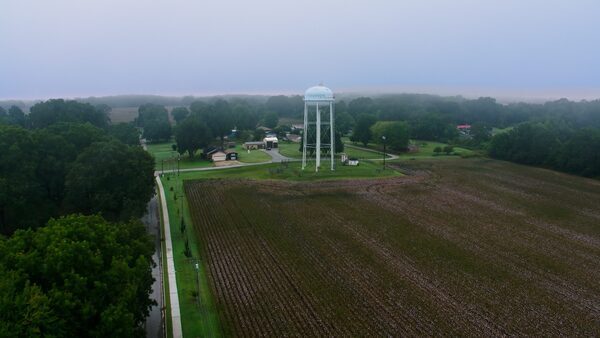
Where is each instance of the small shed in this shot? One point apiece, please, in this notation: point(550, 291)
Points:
point(208, 152)
point(219, 156)
point(231, 155)
point(353, 162)
point(253, 145)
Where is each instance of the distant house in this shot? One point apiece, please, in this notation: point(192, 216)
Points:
point(253, 145)
point(294, 138)
point(218, 156)
point(297, 126)
point(270, 142)
point(208, 151)
point(231, 155)
point(464, 129)
point(266, 130)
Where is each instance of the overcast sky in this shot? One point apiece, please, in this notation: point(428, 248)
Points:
point(69, 48)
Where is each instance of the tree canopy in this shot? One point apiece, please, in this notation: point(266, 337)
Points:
point(112, 179)
point(46, 113)
point(79, 276)
point(191, 135)
point(179, 113)
point(395, 132)
point(362, 131)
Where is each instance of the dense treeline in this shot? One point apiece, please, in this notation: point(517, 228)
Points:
point(550, 145)
point(65, 158)
point(73, 275)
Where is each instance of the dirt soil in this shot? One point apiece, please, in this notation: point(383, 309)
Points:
point(457, 247)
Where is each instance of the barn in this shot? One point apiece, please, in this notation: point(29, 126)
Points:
point(218, 156)
point(253, 145)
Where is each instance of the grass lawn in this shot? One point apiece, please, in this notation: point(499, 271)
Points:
point(254, 156)
point(164, 152)
point(426, 151)
point(290, 149)
point(198, 319)
point(292, 171)
point(165, 157)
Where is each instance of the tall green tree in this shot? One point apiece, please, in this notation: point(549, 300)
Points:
point(125, 132)
point(20, 190)
point(151, 112)
point(362, 131)
point(396, 134)
point(270, 120)
point(179, 114)
point(344, 122)
point(16, 116)
point(157, 130)
point(192, 134)
point(80, 276)
point(112, 179)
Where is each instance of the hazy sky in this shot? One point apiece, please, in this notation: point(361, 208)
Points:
point(68, 48)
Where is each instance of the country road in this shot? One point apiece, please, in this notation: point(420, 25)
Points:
point(154, 323)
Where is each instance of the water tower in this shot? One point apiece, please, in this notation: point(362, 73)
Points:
point(316, 101)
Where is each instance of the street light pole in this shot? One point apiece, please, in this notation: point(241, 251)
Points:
point(383, 138)
point(197, 283)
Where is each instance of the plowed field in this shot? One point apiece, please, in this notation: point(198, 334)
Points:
point(465, 247)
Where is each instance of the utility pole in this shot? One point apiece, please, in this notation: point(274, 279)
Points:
point(383, 138)
point(198, 283)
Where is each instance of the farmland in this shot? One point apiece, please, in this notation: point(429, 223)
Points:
point(455, 247)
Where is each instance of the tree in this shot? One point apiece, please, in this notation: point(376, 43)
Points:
point(179, 113)
point(395, 132)
point(151, 112)
point(282, 105)
point(431, 127)
point(125, 132)
point(270, 120)
point(80, 276)
point(217, 116)
point(157, 130)
point(343, 122)
point(79, 135)
point(448, 149)
point(437, 150)
point(46, 113)
point(16, 116)
point(362, 131)
point(192, 134)
point(54, 156)
point(361, 105)
point(244, 117)
point(20, 192)
point(112, 179)
point(481, 132)
point(258, 135)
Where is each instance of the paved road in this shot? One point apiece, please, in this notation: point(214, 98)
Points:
point(154, 324)
point(276, 157)
point(389, 156)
